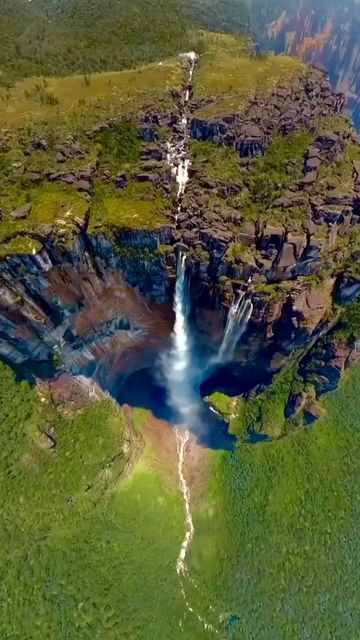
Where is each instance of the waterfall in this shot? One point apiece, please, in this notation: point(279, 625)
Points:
point(237, 320)
point(178, 362)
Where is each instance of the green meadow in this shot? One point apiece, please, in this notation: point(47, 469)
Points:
point(89, 541)
point(277, 541)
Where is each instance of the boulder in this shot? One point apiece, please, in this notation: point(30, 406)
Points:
point(41, 144)
point(147, 177)
point(22, 212)
point(346, 200)
point(286, 257)
point(84, 186)
point(312, 164)
point(36, 178)
point(153, 154)
point(327, 140)
point(312, 152)
point(121, 180)
point(309, 179)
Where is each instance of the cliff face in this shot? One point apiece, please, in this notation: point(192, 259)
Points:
point(271, 209)
point(319, 32)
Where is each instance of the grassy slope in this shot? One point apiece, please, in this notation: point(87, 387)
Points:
point(81, 556)
point(230, 74)
point(278, 537)
point(79, 96)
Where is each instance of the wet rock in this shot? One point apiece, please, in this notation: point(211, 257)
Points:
point(348, 290)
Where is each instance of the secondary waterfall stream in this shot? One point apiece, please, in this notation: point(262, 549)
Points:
point(237, 320)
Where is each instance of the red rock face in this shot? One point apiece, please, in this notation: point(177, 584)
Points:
point(320, 32)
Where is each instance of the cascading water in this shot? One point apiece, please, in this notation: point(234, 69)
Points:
point(237, 320)
point(182, 396)
point(177, 365)
point(177, 148)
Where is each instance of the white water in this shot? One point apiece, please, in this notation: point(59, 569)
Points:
point(237, 320)
point(182, 439)
point(177, 148)
point(177, 366)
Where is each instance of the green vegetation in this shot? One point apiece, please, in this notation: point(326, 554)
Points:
point(138, 206)
point(231, 74)
point(265, 411)
point(226, 15)
point(120, 147)
point(61, 37)
point(54, 203)
point(85, 552)
point(281, 166)
point(217, 161)
point(277, 542)
point(80, 104)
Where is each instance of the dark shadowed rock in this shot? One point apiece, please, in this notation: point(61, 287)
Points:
point(327, 140)
point(312, 164)
point(41, 144)
point(147, 177)
point(295, 404)
point(312, 412)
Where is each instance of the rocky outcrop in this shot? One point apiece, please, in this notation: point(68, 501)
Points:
point(290, 107)
point(325, 364)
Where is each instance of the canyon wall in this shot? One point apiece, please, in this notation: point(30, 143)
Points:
point(320, 32)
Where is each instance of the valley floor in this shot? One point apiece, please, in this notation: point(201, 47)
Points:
point(89, 543)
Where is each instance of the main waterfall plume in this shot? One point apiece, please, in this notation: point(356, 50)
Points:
point(178, 362)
